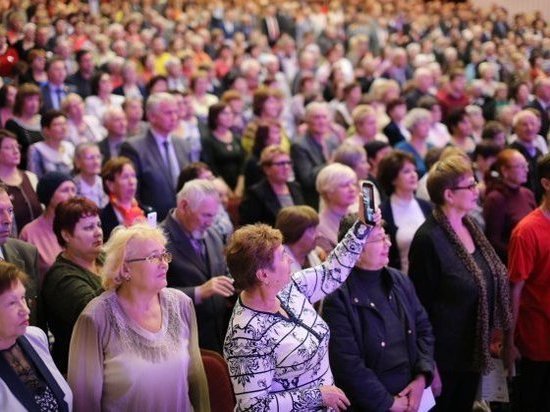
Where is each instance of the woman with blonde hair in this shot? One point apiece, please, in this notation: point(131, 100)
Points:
point(337, 187)
point(137, 328)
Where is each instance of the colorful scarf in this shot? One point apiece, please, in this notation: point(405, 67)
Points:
point(129, 215)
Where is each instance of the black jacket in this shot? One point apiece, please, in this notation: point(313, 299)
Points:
point(358, 333)
point(262, 205)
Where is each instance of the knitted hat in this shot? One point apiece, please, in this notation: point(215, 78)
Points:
point(48, 184)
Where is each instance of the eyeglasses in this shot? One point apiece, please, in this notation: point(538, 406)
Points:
point(93, 157)
point(384, 238)
point(524, 166)
point(156, 259)
point(471, 187)
point(282, 163)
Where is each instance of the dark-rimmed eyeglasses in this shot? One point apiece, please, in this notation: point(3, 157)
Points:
point(470, 187)
point(382, 238)
point(281, 163)
point(156, 259)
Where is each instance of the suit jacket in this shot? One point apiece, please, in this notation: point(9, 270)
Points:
point(544, 117)
point(25, 257)
point(14, 394)
point(105, 149)
point(187, 271)
point(308, 158)
point(262, 205)
point(155, 187)
point(47, 103)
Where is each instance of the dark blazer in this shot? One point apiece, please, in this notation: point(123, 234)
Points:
point(25, 257)
point(155, 187)
point(308, 158)
point(47, 103)
point(393, 133)
point(109, 219)
point(448, 292)
point(532, 177)
point(262, 205)
point(357, 332)
point(83, 86)
point(42, 367)
point(187, 271)
point(105, 149)
point(391, 229)
point(544, 117)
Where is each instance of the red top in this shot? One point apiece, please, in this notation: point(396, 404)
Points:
point(8, 60)
point(529, 260)
point(450, 103)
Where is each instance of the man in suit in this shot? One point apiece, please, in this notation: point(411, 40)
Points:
point(114, 121)
point(308, 153)
point(55, 90)
point(82, 78)
point(158, 157)
point(198, 266)
point(21, 254)
point(541, 103)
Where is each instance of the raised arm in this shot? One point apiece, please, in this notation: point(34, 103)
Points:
point(319, 281)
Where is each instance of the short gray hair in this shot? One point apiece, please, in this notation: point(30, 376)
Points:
point(195, 191)
point(333, 175)
point(156, 99)
point(416, 115)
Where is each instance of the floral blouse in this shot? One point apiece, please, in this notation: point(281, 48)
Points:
point(278, 363)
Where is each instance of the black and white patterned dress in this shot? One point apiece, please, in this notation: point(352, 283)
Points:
point(278, 363)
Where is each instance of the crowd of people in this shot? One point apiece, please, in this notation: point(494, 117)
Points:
point(182, 176)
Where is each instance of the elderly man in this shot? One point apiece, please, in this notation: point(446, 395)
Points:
point(198, 266)
point(157, 157)
point(526, 126)
point(22, 254)
point(309, 153)
point(541, 103)
point(114, 121)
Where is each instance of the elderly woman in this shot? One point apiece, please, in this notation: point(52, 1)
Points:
point(337, 187)
point(461, 283)
point(135, 347)
point(276, 345)
point(221, 150)
point(52, 189)
point(402, 210)
point(298, 225)
point(88, 181)
point(507, 201)
point(417, 122)
point(381, 346)
point(264, 199)
point(73, 280)
point(20, 184)
point(81, 127)
point(26, 121)
point(202, 100)
point(30, 380)
point(120, 183)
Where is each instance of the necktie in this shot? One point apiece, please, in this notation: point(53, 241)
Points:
point(59, 94)
point(167, 161)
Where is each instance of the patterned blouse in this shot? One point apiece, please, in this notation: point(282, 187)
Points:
point(278, 363)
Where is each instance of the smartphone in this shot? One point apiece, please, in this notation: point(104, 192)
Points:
point(367, 191)
point(152, 219)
